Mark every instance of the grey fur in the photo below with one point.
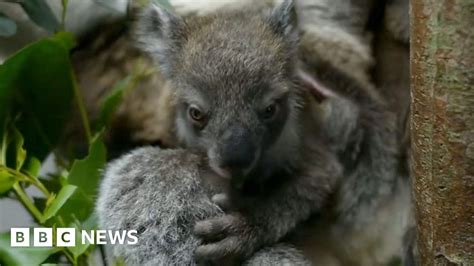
(140, 198)
(160, 35)
(279, 255)
(170, 205)
(346, 148)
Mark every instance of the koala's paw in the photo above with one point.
(227, 237)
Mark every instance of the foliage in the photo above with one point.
(37, 10)
(22, 256)
(41, 110)
(37, 93)
(35, 102)
(41, 14)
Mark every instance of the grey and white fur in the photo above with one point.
(286, 159)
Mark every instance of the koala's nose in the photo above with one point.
(238, 150)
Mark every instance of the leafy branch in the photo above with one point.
(40, 99)
(35, 104)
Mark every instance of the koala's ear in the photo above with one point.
(283, 18)
(160, 33)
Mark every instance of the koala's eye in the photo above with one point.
(270, 111)
(196, 114)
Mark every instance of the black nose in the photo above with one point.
(238, 149)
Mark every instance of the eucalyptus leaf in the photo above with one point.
(38, 83)
(78, 207)
(87, 225)
(18, 256)
(16, 155)
(63, 196)
(114, 5)
(7, 26)
(111, 103)
(32, 166)
(80, 248)
(40, 12)
(64, 4)
(75, 201)
(4, 132)
(85, 173)
(66, 39)
(6, 180)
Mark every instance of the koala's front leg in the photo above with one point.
(160, 193)
(267, 219)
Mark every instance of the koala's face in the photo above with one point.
(233, 75)
(235, 95)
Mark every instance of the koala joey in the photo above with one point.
(275, 145)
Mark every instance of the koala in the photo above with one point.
(285, 160)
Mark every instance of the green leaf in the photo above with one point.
(32, 166)
(7, 26)
(111, 103)
(66, 39)
(79, 248)
(16, 155)
(69, 206)
(40, 12)
(19, 256)
(11, 148)
(3, 135)
(112, 5)
(6, 181)
(37, 82)
(85, 173)
(63, 196)
(64, 4)
(88, 225)
(78, 207)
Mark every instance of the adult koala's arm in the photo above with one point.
(158, 193)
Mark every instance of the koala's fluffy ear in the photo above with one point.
(283, 19)
(160, 33)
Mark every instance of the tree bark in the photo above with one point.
(442, 75)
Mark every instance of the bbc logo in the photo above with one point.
(42, 237)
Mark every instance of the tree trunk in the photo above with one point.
(442, 75)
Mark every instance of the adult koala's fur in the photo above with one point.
(343, 236)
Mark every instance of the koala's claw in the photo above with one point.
(228, 248)
(226, 237)
(219, 227)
